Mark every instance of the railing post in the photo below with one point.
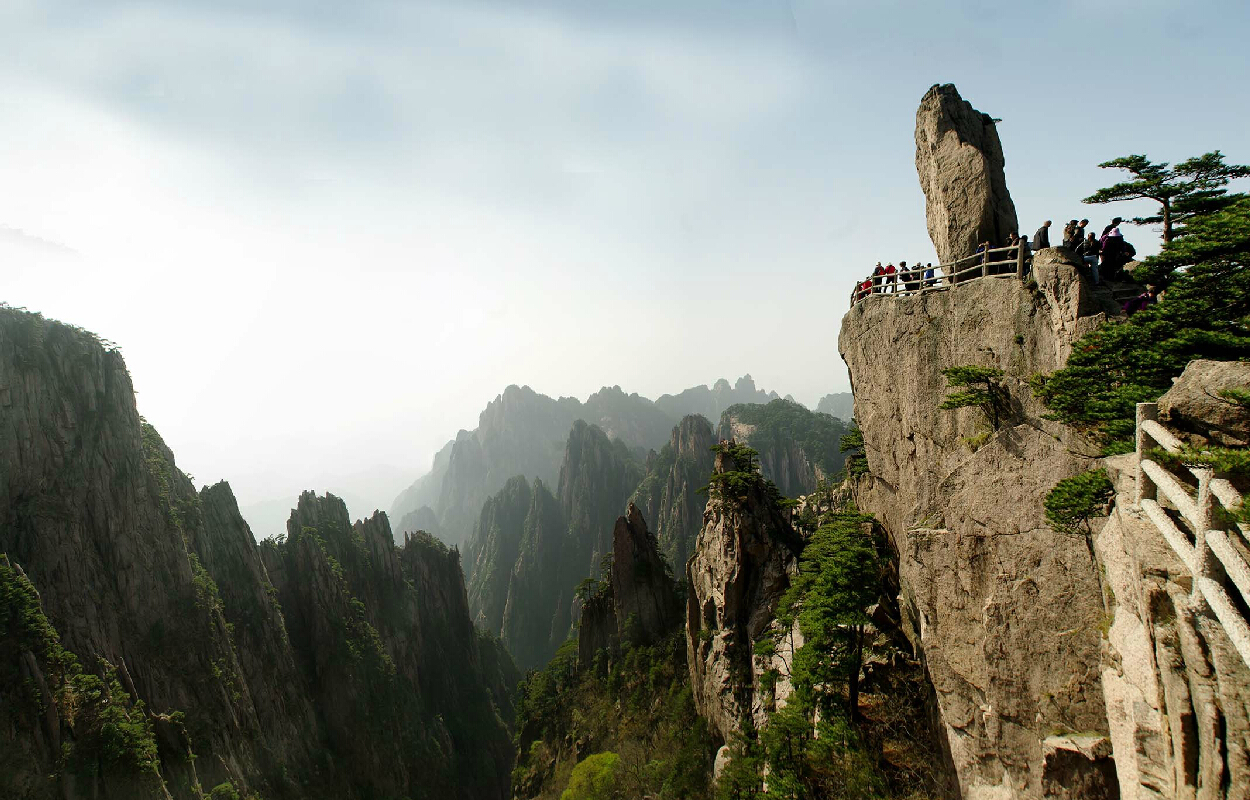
(985, 263)
(1146, 489)
(1020, 260)
(1203, 557)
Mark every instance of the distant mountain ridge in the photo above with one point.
(523, 432)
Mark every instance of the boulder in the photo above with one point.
(1195, 404)
(960, 162)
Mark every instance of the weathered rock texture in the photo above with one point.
(1177, 692)
(669, 494)
(1195, 404)
(741, 566)
(960, 161)
(1004, 611)
(267, 658)
(637, 603)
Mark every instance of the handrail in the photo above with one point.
(911, 281)
(1211, 554)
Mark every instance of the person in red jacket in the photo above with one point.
(890, 276)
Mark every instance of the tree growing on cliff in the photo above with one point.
(978, 387)
(1205, 313)
(1192, 188)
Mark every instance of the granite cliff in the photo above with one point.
(135, 605)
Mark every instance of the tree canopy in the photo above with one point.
(1205, 313)
(1192, 188)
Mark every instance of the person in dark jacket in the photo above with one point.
(1071, 235)
(910, 276)
(1041, 239)
(1088, 251)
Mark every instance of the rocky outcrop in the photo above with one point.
(537, 591)
(491, 553)
(1004, 611)
(960, 162)
(1202, 403)
(636, 603)
(797, 448)
(314, 667)
(740, 569)
(643, 593)
(670, 493)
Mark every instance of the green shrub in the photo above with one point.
(1073, 501)
(977, 387)
(594, 778)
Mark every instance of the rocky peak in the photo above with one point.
(637, 603)
(740, 569)
(960, 162)
(669, 493)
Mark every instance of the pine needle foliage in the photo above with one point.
(1205, 313)
(1075, 500)
(977, 387)
(1191, 188)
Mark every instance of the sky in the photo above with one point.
(325, 235)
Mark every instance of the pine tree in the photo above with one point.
(1192, 188)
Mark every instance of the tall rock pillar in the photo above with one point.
(960, 162)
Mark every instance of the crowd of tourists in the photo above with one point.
(1103, 257)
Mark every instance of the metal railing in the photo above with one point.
(995, 262)
(1215, 554)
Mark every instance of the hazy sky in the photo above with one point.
(326, 234)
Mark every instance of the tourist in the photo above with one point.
(1146, 298)
(1107, 230)
(865, 288)
(1070, 235)
(1088, 251)
(1041, 239)
(909, 277)
(878, 275)
(891, 275)
(928, 274)
(1080, 230)
(1115, 253)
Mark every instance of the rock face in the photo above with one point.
(1195, 405)
(740, 569)
(530, 548)
(960, 162)
(259, 666)
(797, 447)
(669, 493)
(637, 603)
(1004, 612)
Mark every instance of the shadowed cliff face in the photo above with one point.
(165, 584)
(1005, 611)
(636, 604)
(670, 495)
(530, 548)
